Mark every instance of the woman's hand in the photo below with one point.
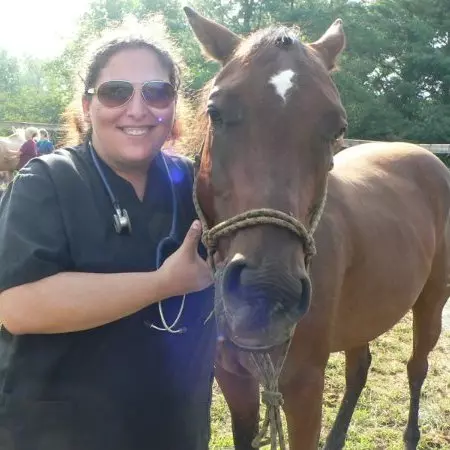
(185, 270)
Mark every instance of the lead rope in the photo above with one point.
(268, 375)
(268, 372)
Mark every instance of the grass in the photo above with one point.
(382, 411)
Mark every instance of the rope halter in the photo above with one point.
(268, 373)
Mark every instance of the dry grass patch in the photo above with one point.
(381, 415)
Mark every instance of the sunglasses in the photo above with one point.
(117, 93)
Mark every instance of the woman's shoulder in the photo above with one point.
(177, 157)
(72, 156)
(178, 162)
(60, 167)
(69, 152)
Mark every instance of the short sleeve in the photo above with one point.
(33, 242)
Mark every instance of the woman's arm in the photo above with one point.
(73, 301)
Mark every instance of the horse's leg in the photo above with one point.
(303, 407)
(242, 396)
(427, 317)
(357, 363)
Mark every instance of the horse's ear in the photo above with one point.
(217, 41)
(331, 44)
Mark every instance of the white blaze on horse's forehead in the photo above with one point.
(282, 82)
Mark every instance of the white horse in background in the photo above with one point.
(9, 151)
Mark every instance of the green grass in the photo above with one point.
(381, 414)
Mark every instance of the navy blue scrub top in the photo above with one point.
(121, 386)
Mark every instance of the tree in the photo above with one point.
(394, 77)
(31, 90)
(413, 70)
(395, 73)
(9, 81)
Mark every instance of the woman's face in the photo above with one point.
(130, 135)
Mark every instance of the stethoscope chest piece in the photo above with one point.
(122, 222)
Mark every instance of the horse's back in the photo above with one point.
(392, 204)
(397, 172)
(392, 157)
(9, 159)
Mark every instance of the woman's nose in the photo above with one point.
(136, 107)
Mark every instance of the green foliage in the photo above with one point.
(394, 76)
(408, 43)
(31, 90)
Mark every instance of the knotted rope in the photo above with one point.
(268, 373)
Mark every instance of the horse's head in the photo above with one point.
(274, 118)
(18, 136)
(13, 142)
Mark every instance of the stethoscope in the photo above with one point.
(122, 226)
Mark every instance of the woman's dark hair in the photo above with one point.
(150, 34)
(109, 49)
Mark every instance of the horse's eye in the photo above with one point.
(214, 115)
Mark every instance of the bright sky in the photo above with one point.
(38, 27)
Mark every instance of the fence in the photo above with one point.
(442, 151)
(437, 149)
(48, 126)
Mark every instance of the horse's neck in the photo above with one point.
(12, 142)
(17, 138)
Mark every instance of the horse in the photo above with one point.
(322, 251)
(9, 151)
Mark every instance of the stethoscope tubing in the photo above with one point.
(122, 213)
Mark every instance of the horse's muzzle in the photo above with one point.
(261, 305)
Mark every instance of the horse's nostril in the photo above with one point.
(232, 276)
(305, 297)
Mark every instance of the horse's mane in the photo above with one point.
(199, 124)
(19, 132)
(262, 39)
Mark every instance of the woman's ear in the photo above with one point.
(86, 103)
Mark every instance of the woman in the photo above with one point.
(28, 150)
(90, 360)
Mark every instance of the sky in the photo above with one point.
(38, 27)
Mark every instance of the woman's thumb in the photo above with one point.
(193, 235)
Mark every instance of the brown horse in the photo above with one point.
(9, 151)
(382, 240)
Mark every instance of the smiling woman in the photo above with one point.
(105, 341)
(107, 91)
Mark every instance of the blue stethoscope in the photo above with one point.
(122, 226)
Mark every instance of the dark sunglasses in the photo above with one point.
(117, 93)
